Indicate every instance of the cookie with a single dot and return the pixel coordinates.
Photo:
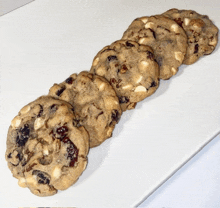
(165, 36)
(46, 149)
(130, 68)
(201, 32)
(95, 103)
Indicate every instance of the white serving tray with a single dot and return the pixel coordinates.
(46, 41)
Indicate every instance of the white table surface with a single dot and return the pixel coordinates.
(45, 41)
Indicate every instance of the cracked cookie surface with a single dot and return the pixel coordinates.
(46, 151)
(130, 68)
(201, 32)
(95, 104)
(167, 39)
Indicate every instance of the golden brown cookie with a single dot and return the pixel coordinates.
(167, 39)
(95, 104)
(130, 68)
(201, 32)
(46, 150)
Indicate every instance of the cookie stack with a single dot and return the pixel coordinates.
(49, 140)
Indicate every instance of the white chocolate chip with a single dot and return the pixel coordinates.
(186, 21)
(141, 40)
(140, 89)
(39, 122)
(175, 28)
(56, 173)
(101, 86)
(100, 71)
(25, 109)
(22, 182)
(149, 25)
(95, 62)
(45, 151)
(139, 79)
(143, 65)
(16, 122)
(146, 40)
(126, 87)
(32, 180)
(213, 42)
(116, 102)
(144, 19)
(179, 56)
(196, 26)
(174, 70)
(175, 15)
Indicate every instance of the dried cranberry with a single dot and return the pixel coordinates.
(115, 116)
(111, 58)
(53, 108)
(66, 140)
(113, 81)
(153, 84)
(73, 155)
(150, 55)
(22, 135)
(60, 91)
(179, 22)
(123, 99)
(129, 44)
(20, 156)
(123, 69)
(72, 151)
(196, 48)
(153, 33)
(42, 177)
(62, 130)
(41, 111)
(72, 162)
(69, 80)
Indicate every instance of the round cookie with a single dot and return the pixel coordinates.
(130, 68)
(46, 150)
(201, 32)
(165, 36)
(95, 103)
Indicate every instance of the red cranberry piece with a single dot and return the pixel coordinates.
(66, 140)
(129, 44)
(40, 112)
(112, 58)
(196, 48)
(153, 84)
(115, 116)
(42, 177)
(153, 33)
(150, 55)
(72, 162)
(62, 130)
(53, 108)
(59, 92)
(69, 80)
(123, 99)
(72, 153)
(179, 22)
(22, 135)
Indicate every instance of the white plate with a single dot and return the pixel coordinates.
(46, 41)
